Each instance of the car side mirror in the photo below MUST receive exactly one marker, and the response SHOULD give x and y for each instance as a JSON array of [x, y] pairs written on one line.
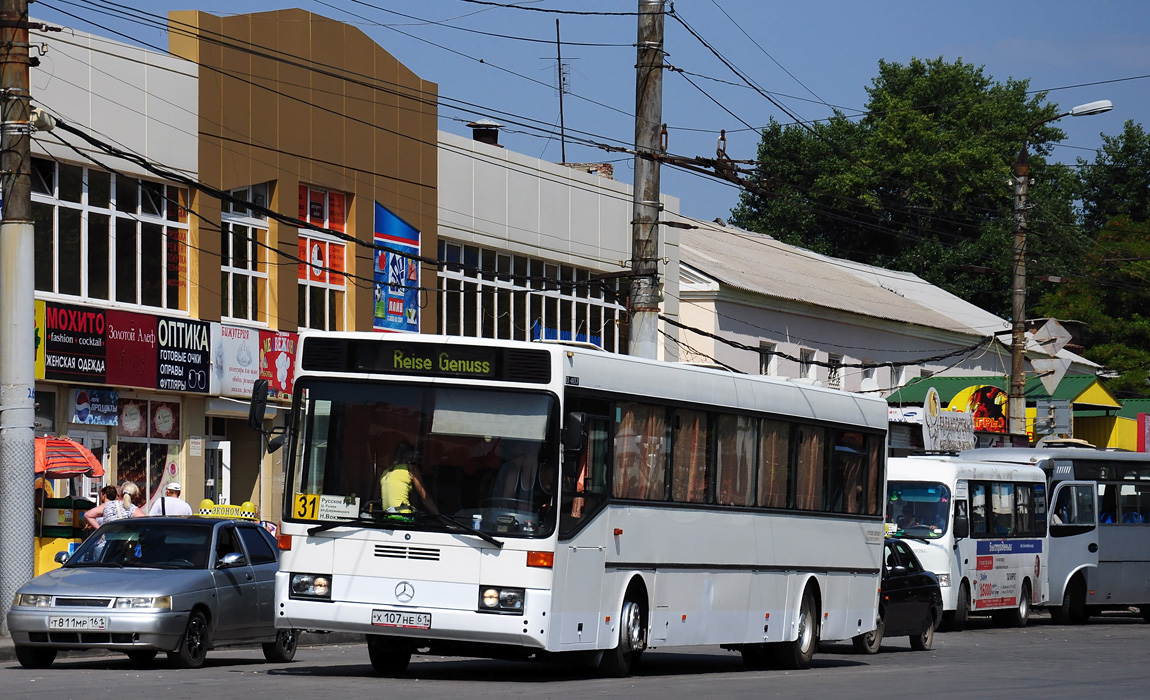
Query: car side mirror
[[961, 526], [60, 557], [258, 405], [231, 559]]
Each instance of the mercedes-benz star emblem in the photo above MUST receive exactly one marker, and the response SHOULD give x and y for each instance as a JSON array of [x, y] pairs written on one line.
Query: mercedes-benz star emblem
[[404, 592]]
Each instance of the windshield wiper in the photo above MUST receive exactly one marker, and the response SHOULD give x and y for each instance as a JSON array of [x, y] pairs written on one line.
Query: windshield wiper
[[460, 527]]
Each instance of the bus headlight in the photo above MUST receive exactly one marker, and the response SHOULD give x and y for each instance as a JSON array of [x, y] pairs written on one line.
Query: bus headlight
[[500, 599], [314, 586], [943, 580]]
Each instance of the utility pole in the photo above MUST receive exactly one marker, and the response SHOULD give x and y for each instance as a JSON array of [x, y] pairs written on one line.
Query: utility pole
[[17, 311], [1016, 407], [645, 295], [562, 86]]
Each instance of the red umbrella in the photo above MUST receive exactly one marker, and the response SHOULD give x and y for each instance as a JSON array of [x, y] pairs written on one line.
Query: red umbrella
[[61, 458]]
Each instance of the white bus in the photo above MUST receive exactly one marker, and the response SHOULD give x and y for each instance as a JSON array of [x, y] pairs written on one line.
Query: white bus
[[980, 527], [663, 504], [1101, 530]]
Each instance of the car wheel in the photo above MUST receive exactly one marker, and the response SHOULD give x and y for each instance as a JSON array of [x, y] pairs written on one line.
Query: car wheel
[[956, 620], [621, 661], [282, 650], [389, 656], [1019, 615], [141, 657], [193, 649], [925, 639], [798, 654], [870, 642], [35, 657]]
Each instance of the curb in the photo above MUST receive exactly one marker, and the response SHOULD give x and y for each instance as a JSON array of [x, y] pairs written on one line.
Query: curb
[[307, 639]]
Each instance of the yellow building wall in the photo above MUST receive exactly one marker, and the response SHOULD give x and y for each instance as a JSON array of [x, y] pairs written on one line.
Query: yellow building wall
[[1108, 431]]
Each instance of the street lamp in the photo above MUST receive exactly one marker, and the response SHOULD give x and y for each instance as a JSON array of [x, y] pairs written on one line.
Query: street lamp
[[1017, 405]]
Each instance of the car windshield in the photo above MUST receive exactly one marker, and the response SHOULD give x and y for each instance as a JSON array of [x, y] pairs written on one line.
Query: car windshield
[[387, 455], [918, 509], [146, 542]]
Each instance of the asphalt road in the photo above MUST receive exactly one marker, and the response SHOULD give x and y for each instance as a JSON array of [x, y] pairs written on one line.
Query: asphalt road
[[1107, 658]]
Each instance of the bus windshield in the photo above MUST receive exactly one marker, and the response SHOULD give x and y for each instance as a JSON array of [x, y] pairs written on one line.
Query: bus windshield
[[918, 508], [421, 456]]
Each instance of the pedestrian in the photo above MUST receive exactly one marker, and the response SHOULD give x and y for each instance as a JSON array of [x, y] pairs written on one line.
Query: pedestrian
[[115, 509], [171, 503], [108, 493]]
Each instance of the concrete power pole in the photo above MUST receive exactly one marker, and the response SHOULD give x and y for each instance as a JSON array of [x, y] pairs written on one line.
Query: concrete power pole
[[645, 295], [17, 311], [1016, 406]]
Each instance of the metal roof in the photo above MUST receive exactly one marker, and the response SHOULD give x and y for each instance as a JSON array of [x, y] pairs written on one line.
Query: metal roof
[[1080, 390]]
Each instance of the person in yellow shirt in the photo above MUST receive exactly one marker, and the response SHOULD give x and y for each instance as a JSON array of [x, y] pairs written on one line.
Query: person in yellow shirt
[[397, 483]]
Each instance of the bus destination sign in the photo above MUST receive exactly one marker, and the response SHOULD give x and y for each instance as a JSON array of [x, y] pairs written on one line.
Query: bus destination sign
[[440, 361]]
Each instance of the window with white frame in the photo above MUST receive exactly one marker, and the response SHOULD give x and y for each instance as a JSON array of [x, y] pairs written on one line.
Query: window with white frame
[[102, 235], [768, 364], [807, 364], [835, 371], [485, 293], [869, 377], [321, 280], [244, 256]]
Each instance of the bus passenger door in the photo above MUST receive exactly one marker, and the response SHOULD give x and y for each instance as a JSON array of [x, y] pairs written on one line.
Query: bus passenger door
[[1073, 536], [582, 547]]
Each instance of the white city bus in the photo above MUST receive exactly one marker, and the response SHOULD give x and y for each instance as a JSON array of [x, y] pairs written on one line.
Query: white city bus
[[980, 527], [664, 504], [1101, 530]]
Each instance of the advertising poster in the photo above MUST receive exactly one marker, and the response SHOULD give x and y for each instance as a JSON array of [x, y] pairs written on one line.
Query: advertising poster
[[277, 362], [987, 404], [164, 422], [235, 360], [95, 407], [396, 273], [74, 349], [132, 349], [133, 418], [185, 355]]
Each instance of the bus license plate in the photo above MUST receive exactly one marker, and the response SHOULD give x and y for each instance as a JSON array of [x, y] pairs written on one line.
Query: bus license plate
[[77, 623], [406, 620]]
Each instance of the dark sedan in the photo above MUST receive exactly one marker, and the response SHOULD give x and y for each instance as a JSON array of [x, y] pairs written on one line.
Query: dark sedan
[[910, 601], [146, 585]]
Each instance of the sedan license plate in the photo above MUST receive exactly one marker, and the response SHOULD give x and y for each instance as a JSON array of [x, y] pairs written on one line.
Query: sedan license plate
[[82, 622], [406, 620]]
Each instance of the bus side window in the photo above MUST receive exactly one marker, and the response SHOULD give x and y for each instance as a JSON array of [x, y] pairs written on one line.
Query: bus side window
[[978, 509], [584, 487], [1107, 504]]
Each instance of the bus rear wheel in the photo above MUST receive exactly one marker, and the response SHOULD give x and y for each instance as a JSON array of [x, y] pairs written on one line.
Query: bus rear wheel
[[798, 654], [870, 642], [389, 656], [1021, 613]]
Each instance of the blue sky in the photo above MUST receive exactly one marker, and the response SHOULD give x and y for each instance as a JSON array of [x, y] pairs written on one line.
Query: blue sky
[[807, 55]]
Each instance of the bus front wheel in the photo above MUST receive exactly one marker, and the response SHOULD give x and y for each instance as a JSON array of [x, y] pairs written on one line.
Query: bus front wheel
[[798, 654], [955, 620], [389, 656], [1072, 611], [620, 661]]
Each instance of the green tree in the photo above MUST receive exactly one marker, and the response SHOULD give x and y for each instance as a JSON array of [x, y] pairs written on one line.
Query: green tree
[[920, 183], [1111, 295], [1117, 183]]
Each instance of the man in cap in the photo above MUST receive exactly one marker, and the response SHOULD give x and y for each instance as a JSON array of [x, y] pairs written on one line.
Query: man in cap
[[170, 503]]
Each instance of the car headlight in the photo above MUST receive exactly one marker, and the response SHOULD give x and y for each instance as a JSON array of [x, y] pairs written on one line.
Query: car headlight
[[310, 586], [943, 579], [32, 600], [160, 602], [498, 599]]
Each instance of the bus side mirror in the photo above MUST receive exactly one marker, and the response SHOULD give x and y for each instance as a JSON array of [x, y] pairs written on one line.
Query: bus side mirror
[[258, 405], [573, 431], [961, 526]]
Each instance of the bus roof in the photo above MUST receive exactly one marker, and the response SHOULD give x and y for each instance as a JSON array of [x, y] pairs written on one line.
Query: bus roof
[[949, 469], [1028, 455]]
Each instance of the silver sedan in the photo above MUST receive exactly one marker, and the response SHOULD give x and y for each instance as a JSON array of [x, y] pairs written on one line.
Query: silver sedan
[[146, 585]]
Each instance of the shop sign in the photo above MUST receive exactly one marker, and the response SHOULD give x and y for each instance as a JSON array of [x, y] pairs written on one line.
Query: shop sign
[[396, 273], [945, 431], [133, 349], [184, 355], [95, 407], [74, 349], [133, 418], [277, 362], [235, 360]]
